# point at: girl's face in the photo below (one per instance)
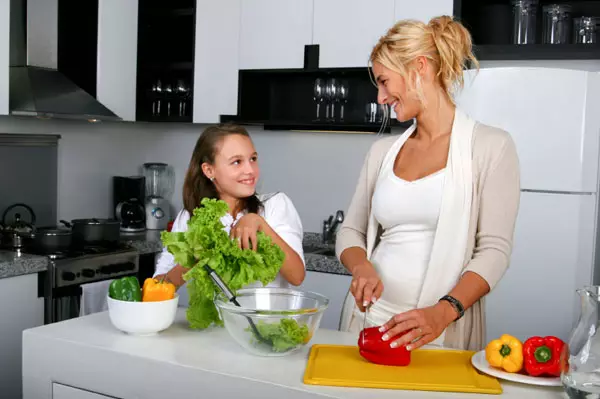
(235, 170)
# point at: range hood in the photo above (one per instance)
(38, 86)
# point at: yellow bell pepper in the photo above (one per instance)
(505, 353)
(157, 290)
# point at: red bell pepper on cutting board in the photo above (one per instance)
(378, 351)
(542, 356)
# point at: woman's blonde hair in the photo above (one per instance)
(446, 43)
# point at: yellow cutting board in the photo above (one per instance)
(429, 370)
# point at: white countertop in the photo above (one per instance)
(89, 353)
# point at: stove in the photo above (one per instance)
(69, 270)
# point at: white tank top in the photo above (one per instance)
(408, 213)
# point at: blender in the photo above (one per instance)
(160, 181)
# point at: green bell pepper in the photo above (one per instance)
(126, 289)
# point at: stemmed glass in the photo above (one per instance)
(343, 97)
(331, 95)
(319, 95)
(183, 90)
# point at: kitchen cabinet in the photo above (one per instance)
(273, 33)
(4, 54)
(333, 286)
(347, 30)
(60, 391)
(117, 56)
(20, 309)
(165, 66)
(216, 59)
(423, 10)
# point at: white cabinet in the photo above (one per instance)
(333, 286)
(216, 59)
(20, 309)
(552, 257)
(347, 30)
(273, 33)
(60, 391)
(423, 10)
(4, 54)
(116, 68)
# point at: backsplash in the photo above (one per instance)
(28, 174)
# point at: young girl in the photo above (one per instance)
(224, 165)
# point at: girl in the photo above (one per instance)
(224, 166)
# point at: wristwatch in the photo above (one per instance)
(460, 309)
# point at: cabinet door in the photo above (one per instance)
(552, 257)
(60, 391)
(423, 10)
(216, 59)
(4, 55)
(20, 309)
(333, 286)
(117, 56)
(347, 30)
(274, 32)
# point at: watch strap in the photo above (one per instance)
(460, 309)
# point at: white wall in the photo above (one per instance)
(317, 170)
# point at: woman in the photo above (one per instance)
(429, 230)
(224, 165)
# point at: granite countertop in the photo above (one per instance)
(14, 264)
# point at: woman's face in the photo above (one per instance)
(392, 90)
(235, 170)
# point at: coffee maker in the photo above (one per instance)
(160, 180)
(128, 202)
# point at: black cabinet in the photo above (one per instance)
(491, 23)
(165, 60)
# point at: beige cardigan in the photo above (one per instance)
(494, 208)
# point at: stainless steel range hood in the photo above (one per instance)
(38, 90)
(47, 93)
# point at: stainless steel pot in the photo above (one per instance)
(94, 231)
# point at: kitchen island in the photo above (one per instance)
(88, 358)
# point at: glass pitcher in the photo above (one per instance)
(580, 359)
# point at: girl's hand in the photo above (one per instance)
(173, 276)
(366, 285)
(245, 231)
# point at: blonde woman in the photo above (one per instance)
(430, 227)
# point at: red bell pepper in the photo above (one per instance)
(541, 356)
(378, 351)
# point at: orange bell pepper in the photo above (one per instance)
(157, 290)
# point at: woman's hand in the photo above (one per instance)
(419, 326)
(366, 285)
(245, 231)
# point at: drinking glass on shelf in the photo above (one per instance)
(182, 89)
(319, 95)
(168, 91)
(343, 97)
(156, 93)
(331, 95)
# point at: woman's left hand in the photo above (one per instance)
(245, 231)
(419, 325)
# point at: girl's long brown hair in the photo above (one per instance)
(196, 185)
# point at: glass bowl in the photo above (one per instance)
(272, 321)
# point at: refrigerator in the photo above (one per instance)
(553, 116)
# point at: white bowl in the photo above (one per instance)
(142, 318)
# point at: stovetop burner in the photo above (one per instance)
(78, 252)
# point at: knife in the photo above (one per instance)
(365, 321)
